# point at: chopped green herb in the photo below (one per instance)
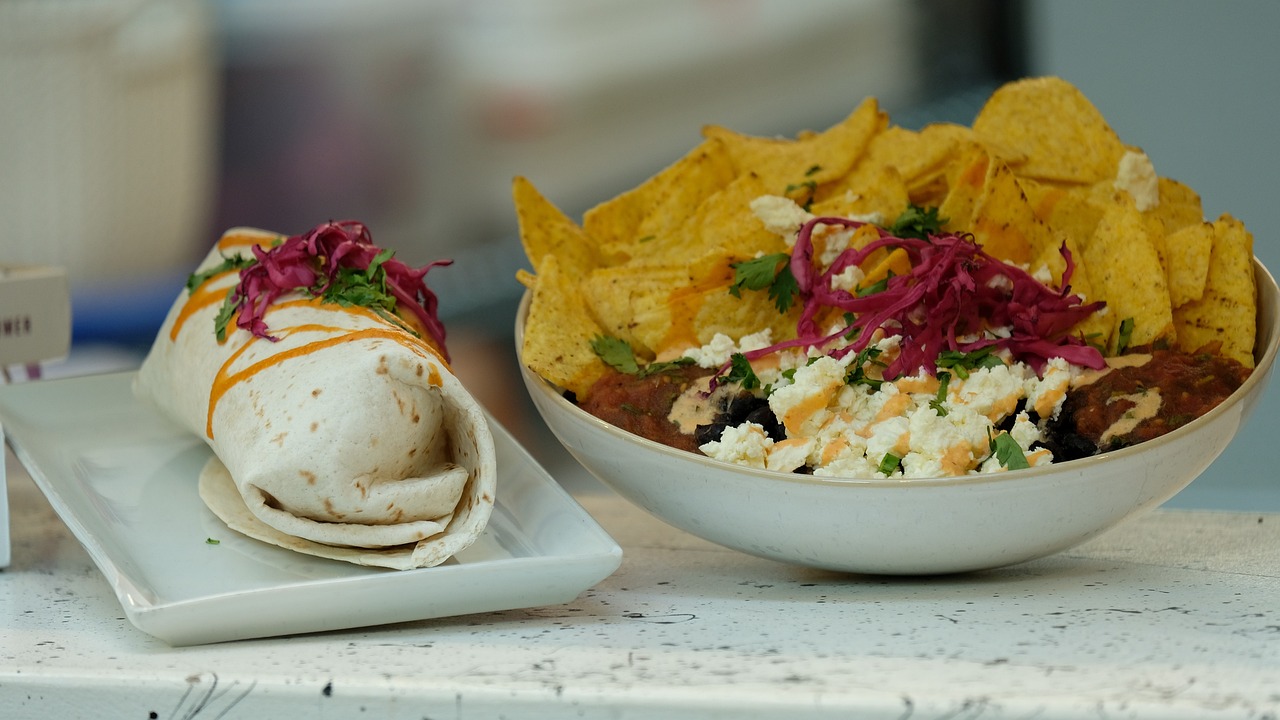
(655, 368)
(225, 313)
(1124, 335)
(212, 541)
(917, 222)
(857, 373)
(874, 288)
(771, 272)
(853, 330)
(740, 371)
(647, 238)
(944, 380)
(962, 362)
(813, 170)
(809, 187)
(1008, 452)
(616, 353)
(889, 463)
(1095, 341)
(234, 262)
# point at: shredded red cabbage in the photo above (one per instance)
(311, 262)
(952, 299)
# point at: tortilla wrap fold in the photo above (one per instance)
(347, 437)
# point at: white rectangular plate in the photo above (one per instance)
(123, 479)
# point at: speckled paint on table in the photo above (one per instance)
(1176, 614)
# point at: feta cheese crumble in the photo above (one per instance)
(838, 429)
(1137, 176)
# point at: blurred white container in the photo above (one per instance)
(108, 126)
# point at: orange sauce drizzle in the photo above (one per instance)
(224, 380)
(206, 295)
(200, 298)
(239, 240)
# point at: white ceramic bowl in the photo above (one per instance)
(906, 527)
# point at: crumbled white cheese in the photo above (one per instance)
(993, 392)
(722, 347)
(789, 455)
(1046, 394)
(803, 405)
(746, 444)
(780, 215)
(848, 279)
(1137, 176)
(843, 430)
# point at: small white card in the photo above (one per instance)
(5, 552)
(35, 326)
(35, 314)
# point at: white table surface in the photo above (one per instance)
(1175, 614)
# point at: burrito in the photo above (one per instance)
(315, 368)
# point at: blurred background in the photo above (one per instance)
(132, 132)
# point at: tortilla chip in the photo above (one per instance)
(712, 309)
(1179, 206)
(1226, 312)
(630, 302)
(1188, 253)
(664, 201)
(1048, 120)
(725, 221)
(920, 159)
(807, 162)
(1003, 221)
(965, 180)
(1071, 209)
(545, 230)
(879, 193)
(559, 330)
(1127, 274)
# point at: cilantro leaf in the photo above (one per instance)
(771, 272)
(917, 222)
(225, 313)
(857, 373)
(740, 371)
(1008, 452)
(235, 262)
(654, 368)
(616, 353)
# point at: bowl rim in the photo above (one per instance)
(1265, 287)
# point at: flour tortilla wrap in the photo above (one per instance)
(348, 437)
